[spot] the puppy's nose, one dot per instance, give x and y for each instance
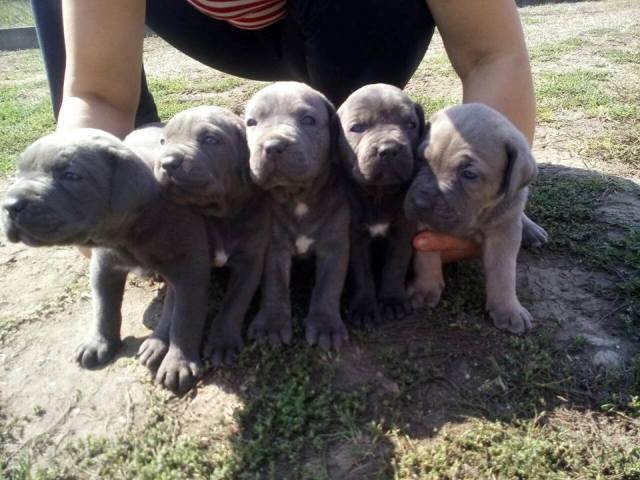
(14, 206)
(422, 200)
(171, 162)
(274, 147)
(388, 151)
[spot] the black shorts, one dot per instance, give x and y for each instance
(336, 46)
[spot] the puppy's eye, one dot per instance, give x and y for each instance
(411, 125)
(469, 174)
(162, 141)
(308, 120)
(358, 127)
(251, 122)
(210, 140)
(71, 176)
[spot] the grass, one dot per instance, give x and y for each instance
(553, 51)
(24, 117)
(622, 56)
(616, 146)
(580, 89)
(15, 13)
(291, 411)
(533, 449)
(568, 209)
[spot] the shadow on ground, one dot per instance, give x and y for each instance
(309, 412)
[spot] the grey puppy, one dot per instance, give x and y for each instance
(86, 188)
(381, 129)
(204, 163)
(291, 130)
(473, 182)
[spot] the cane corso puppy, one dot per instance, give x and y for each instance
(380, 131)
(147, 141)
(205, 164)
(291, 130)
(85, 187)
(473, 182)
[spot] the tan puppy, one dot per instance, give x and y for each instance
(476, 167)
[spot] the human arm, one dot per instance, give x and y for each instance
(103, 41)
(485, 44)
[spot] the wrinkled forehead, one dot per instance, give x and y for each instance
(378, 103)
(189, 123)
(466, 134)
(286, 101)
(47, 156)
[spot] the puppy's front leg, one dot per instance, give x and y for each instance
(533, 235)
(273, 321)
(394, 301)
(181, 365)
(225, 337)
(107, 289)
(499, 254)
(362, 309)
(428, 281)
(323, 324)
(154, 348)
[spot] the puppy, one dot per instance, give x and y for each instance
(147, 141)
(291, 129)
(204, 163)
(473, 183)
(380, 131)
(86, 188)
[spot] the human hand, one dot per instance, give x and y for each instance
(451, 248)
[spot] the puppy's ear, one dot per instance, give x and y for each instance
(520, 168)
(132, 181)
(243, 155)
(421, 122)
(334, 130)
(423, 143)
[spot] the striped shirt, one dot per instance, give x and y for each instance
(245, 14)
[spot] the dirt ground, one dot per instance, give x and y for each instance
(45, 306)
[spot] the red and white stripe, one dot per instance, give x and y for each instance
(245, 14)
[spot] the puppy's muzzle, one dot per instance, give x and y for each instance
(418, 203)
(279, 160)
(274, 148)
(170, 163)
(12, 206)
(387, 163)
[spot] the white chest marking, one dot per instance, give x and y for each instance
(221, 258)
(301, 209)
(378, 229)
(303, 243)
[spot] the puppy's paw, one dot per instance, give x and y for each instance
(177, 372)
(152, 351)
(424, 293)
(395, 307)
(363, 312)
(515, 319)
(533, 235)
(327, 331)
(273, 327)
(97, 351)
(223, 347)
